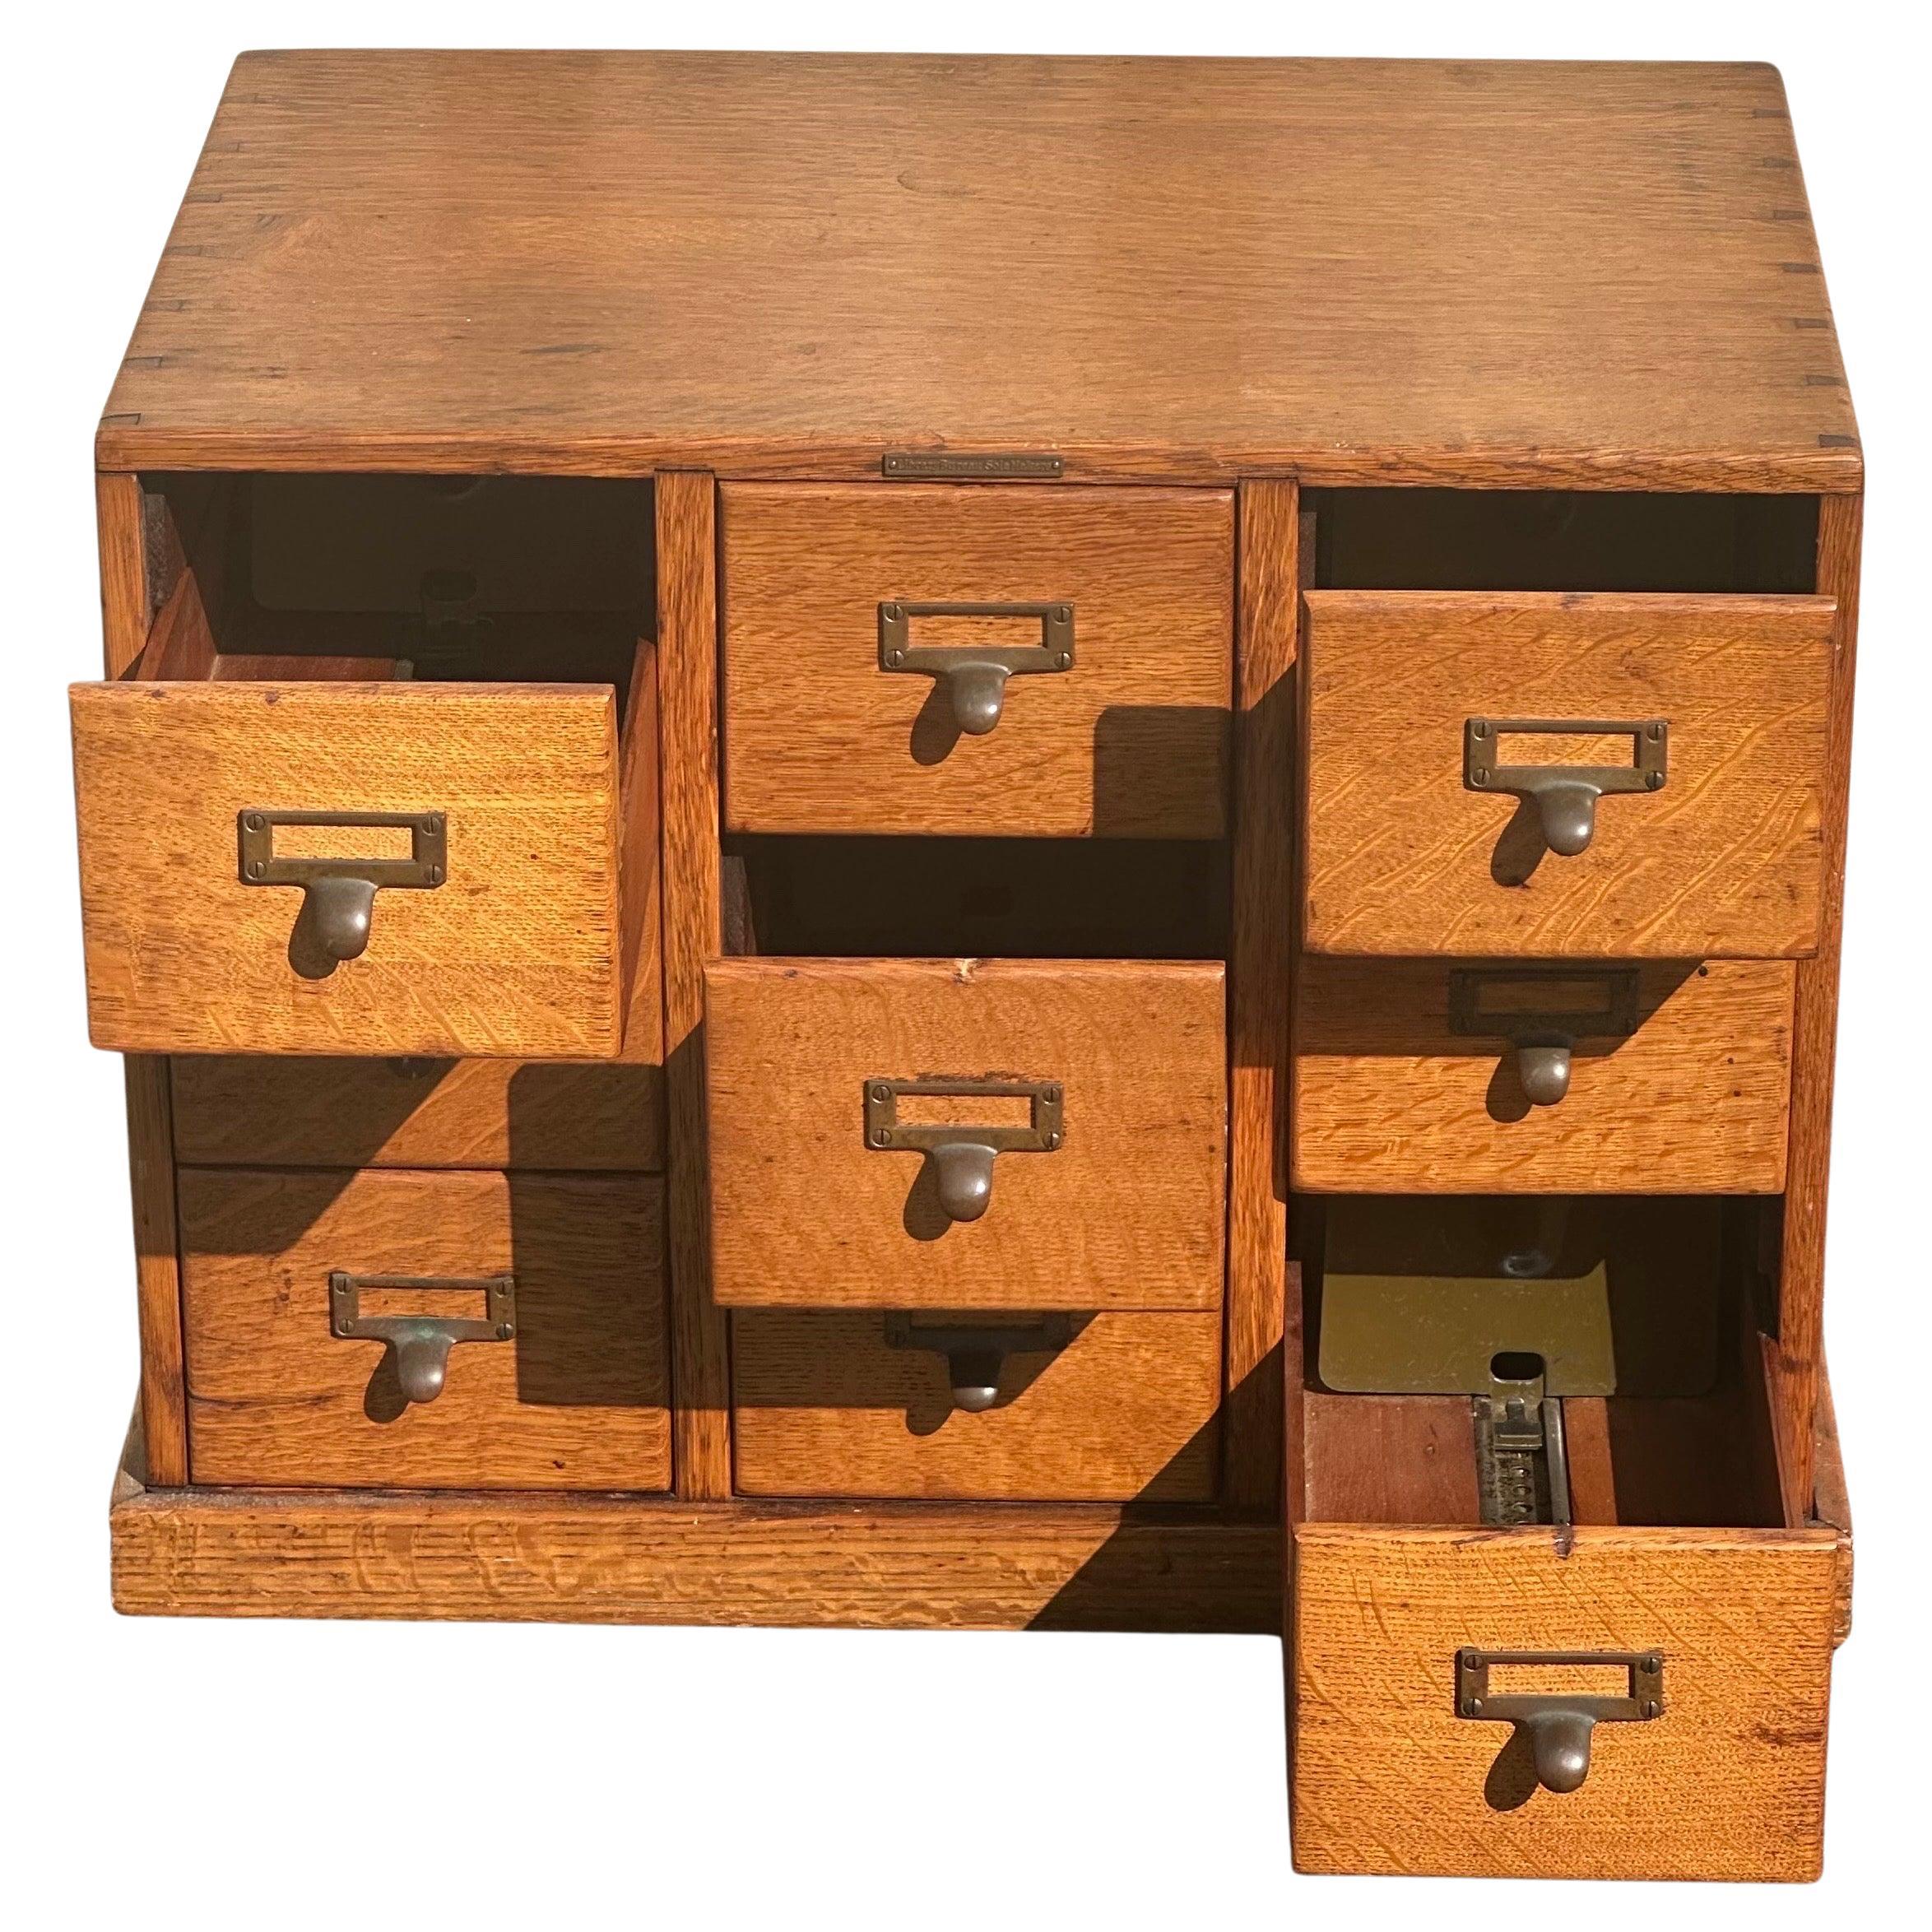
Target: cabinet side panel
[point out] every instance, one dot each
(126, 604)
(1794, 1354)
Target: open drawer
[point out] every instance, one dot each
(368, 831)
(1484, 1683)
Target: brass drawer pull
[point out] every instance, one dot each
(974, 676)
(961, 1158)
(1542, 1039)
(976, 1354)
(1565, 795)
(339, 895)
(421, 1343)
(1559, 1727)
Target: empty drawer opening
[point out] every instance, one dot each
(1508, 1361)
(392, 741)
(1057, 899)
(476, 578)
(1551, 540)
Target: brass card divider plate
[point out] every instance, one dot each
(1617, 1295)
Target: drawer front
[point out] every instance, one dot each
(276, 1266)
(505, 941)
(1726, 1783)
(1664, 802)
(1095, 700)
(1101, 1408)
(1054, 1133)
(253, 1110)
(1415, 1076)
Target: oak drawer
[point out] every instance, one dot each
(1093, 697)
(1419, 1076)
(1104, 1408)
(1726, 1783)
(276, 1266)
(1545, 775)
(966, 1134)
(499, 923)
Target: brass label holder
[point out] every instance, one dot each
(422, 1343)
(1544, 1041)
(1559, 1726)
(338, 895)
(976, 1351)
(962, 1157)
(942, 465)
(1565, 795)
(974, 676)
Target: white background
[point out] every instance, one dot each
(239, 1774)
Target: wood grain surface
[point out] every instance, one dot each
(259, 1110)
(1130, 741)
(1388, 1099)
(1272, 567)
(1127, 1213)
(1377, 271)
(1724, 861)
(615, 1559)
(579, 1399)
(1126, 1412)
(693, 934)
(516, 953)
(1727, 1783)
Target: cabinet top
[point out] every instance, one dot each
(1359, 271)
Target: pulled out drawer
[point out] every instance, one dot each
(946, 1134)
(1417, 1076)
(1546, 776)
(1550, 1635)
(1106, 1408)
(324, 830)
(1018, 661)
(397, 1329)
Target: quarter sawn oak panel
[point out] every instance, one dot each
(1725, 860)
(1126, 1213)
(1130, 741)
(1126, 1412)
(516, 953)
(1387, 1099)
(578, 1400)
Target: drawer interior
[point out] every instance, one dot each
(1683, 1440)
(1554, 540)
(495, 578)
